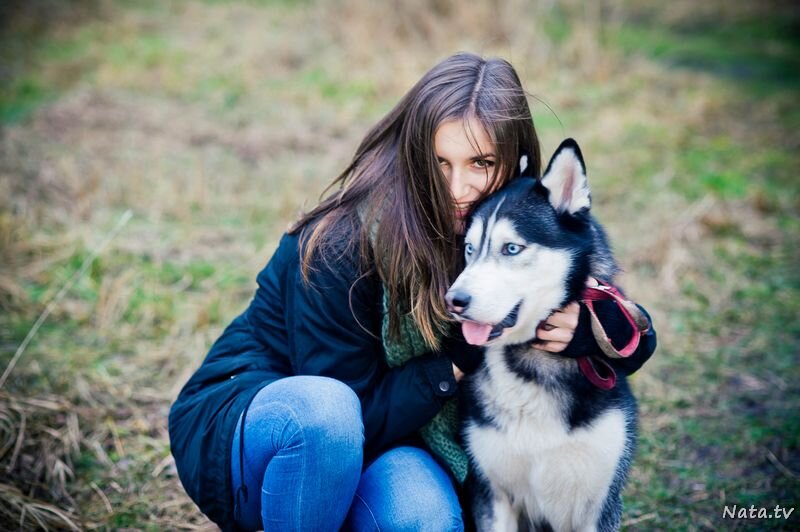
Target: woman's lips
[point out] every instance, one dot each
(461, 213)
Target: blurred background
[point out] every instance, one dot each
(152, 153)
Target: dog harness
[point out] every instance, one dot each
(598, 371)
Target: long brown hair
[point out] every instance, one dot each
(396, 193)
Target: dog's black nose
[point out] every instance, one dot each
(457, 302)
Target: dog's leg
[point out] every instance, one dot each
(491, 508)
(479, 497)
(573, 480)
(573, 484)
(504, 515)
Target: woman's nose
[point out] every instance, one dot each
(458, 186)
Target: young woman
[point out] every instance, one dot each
(331, 401)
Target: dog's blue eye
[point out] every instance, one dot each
(468, 249)
(511, 249)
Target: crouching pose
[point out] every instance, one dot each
(331, 401)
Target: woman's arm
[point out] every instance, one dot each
(568, 332)
(618, 330)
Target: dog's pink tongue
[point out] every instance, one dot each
(475, 333)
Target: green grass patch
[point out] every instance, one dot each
(713, 166)
(265, 3)
(40, 67)
(143, 52)
(335, 88)
(227, 90)
(765, 54)
(22, 97)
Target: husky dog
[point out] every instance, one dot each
(549, 450)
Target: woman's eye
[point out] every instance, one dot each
(483, 163)
(468, 249)
(511, 249)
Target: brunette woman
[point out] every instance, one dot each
(331, 400)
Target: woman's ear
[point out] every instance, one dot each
(565, 179)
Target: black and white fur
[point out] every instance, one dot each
(549, 450)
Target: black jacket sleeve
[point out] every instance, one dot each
(334, 326)
(466, 357)
(618, 330)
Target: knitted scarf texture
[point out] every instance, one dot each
(440, 433)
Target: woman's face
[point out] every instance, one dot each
(467, 158)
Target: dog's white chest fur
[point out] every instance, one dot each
(533, 462)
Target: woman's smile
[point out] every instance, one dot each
(466, 156)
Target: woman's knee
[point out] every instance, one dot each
(406, 489)
(314, 426)
(430, 517)
(318, 406)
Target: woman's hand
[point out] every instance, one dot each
(557, 330)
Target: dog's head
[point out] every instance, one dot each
(528, 251)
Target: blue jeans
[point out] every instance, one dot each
(303, 467)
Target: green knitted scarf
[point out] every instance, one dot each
(440, 433)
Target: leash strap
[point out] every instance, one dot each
(589, 370)
(595, 369)
(632, 313)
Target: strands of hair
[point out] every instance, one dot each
(392, 201)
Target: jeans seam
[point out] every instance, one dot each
(304, 455)
(372, 515)
(302, 466)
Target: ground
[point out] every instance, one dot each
(152, 153)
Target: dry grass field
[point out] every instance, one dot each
(152, 153)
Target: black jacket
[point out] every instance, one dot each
(294, 329)
(291, 328)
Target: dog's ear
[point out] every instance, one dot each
(525, 169)
(565, 180)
